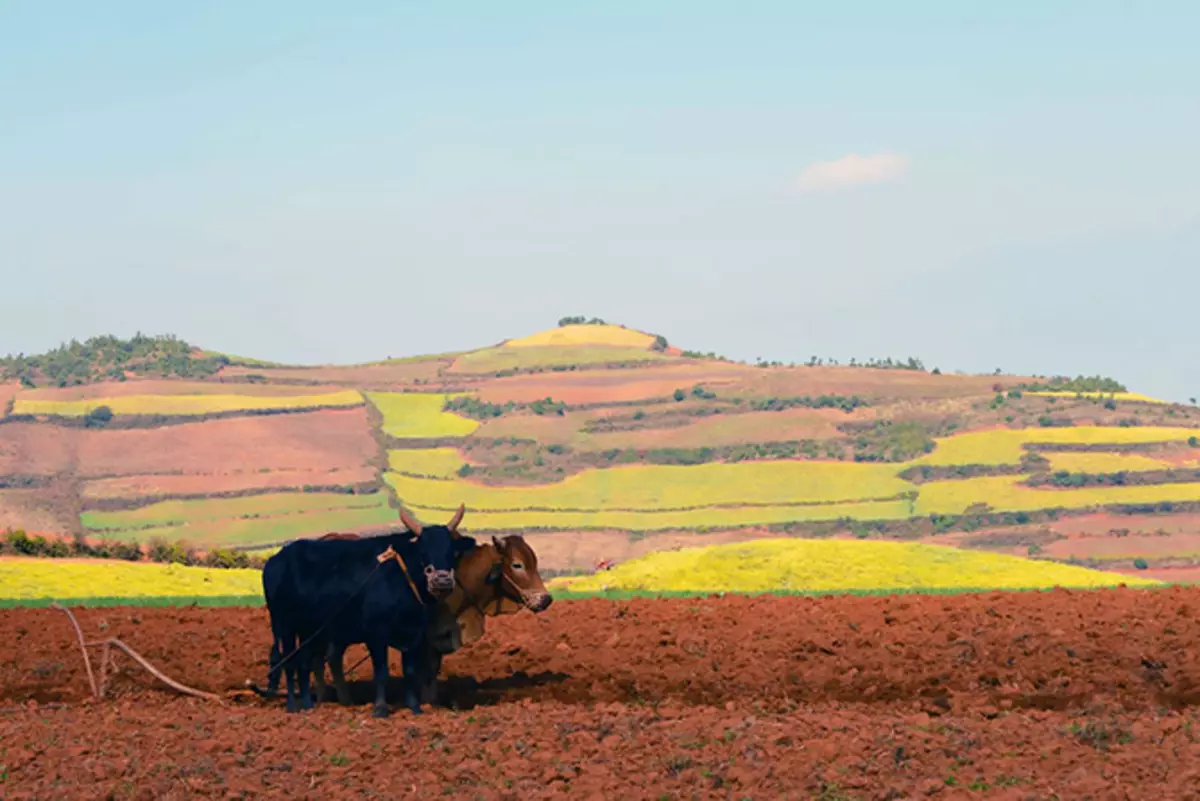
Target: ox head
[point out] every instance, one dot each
(519, 571)
(439, 548)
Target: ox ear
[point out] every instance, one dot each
(410, 522)
(498, 543)
(454, 521)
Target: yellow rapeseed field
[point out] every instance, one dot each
(1006, 494)
(29, 579)
(1003, 445)
(1117, 396)
(836, 565)
(1101, 462)
(419, 414)
(425, 462)
(504, 357)
(185, 405)
(666, 487)
(663, 521)
(608, 335)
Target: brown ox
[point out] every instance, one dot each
(492, 579)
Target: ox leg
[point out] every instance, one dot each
(416, 676)
(379, 662)
(335, 659)
(290, 671)
(318, 675)
(303, 663)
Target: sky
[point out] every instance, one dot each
(981, 186)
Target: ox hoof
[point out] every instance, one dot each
(379, 712)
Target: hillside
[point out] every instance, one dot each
(598, 442)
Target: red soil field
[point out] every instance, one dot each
(120, 389)
(368, 375)
(233, 481)
(7, 393)
(35, 511)
(301, 441)
(611, 386)
(1082, 694)
(734, 429)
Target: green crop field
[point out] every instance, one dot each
(197, 511)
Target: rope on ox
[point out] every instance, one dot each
(106, 658)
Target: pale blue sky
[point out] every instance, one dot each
(312, 183)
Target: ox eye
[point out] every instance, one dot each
(518, 566)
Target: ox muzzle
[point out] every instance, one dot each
(538, 602)
(440, 583)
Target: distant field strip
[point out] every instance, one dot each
(1100, 462)
(663, 487)
(832, 565)
(440, 463)
(662, 521)
(494, 360)
(186, 405)
(65, 579)
(606, 335)
(1117, 396)
(181, 512)
(1004, 446)
(1006, 494)
(414, 414)
(259, 531)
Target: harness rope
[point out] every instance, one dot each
(469, 599)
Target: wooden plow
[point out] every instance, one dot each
(106, 659)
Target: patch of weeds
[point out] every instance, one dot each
(678, 764)
(339, 759)
(833, 792)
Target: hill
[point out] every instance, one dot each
(597, 441)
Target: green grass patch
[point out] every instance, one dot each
(169, 601)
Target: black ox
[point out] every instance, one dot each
(325, 595)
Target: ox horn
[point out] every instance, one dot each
(410, 522)
(458, 516)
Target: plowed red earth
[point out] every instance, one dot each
(1079, 694)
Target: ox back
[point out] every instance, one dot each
(334, 593)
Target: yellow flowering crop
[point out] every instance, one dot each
(29, 579)
(661, 521)
(667, 487)
(427, 462)
(185, 405)
(1102, 462)
(504, 357)
(606, 335)
(1006, 494)
(419, 414)
(836, 565)
(1003, 445)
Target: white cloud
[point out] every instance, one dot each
(852, 169)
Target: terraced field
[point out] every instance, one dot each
(503, 358)
(185, 405)
(656, 488)
(418, 414)
(253, 520)
(1006, 494)
(612, 336)
(1105, 462)
(1006, 446)
(801, 566)
(1136, 397)
(426, 462)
